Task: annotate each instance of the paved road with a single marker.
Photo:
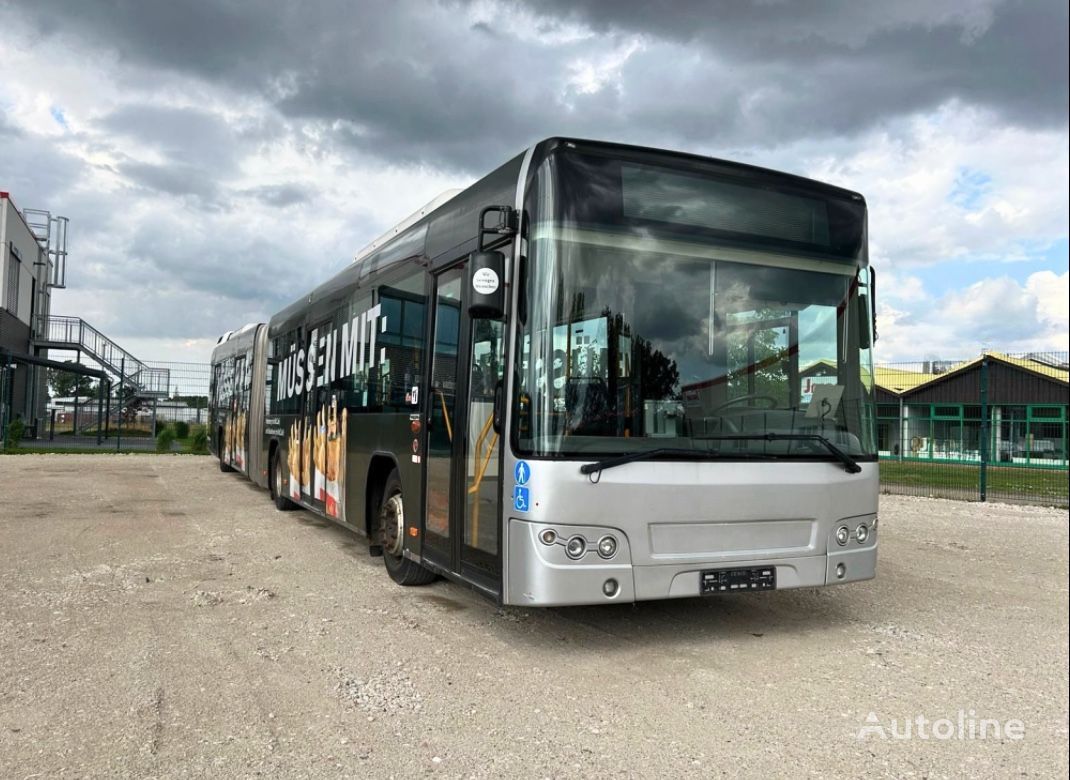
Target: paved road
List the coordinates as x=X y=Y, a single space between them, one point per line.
x=159 y=618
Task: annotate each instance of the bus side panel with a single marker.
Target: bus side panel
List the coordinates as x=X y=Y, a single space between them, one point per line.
x=380 y=437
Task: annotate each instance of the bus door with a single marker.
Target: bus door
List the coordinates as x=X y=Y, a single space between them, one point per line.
x=463 y=474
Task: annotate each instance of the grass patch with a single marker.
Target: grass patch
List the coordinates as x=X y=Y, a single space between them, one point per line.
x=133 y=433
x=104 y=449
x=1043 y=485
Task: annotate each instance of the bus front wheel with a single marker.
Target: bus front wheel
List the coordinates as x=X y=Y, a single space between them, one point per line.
x=391 y=533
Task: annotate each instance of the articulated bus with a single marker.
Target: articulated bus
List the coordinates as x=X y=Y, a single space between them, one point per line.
x=600 y=374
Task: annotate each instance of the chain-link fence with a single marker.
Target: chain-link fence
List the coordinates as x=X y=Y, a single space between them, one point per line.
x=990 y=428
x=121 y=415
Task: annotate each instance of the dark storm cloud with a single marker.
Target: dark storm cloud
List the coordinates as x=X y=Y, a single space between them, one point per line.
x=417 y=82
x=878 y=59
x=213 y=92
x=452 y=118
x=173 y=179
x=42 y=171
x=188 y=135
x=196 y=150
x=177 y=273
x=183 y=260
x=206 y=37
x=195 y=155
x=270 y=265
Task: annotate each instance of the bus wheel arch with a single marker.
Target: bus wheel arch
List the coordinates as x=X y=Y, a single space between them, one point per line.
x=275 y=485
x=388 y=497
x=379 y=470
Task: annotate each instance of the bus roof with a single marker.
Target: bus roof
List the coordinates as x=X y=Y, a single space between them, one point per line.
x=547 y=146
x=235 y=341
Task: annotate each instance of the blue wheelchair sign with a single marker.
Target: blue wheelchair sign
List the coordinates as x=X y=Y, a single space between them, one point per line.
x=521 y=499
x=521 y=472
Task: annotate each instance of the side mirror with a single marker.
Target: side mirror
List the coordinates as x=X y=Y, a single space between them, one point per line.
x=485 y=273
x=873 y=298
x=865 y=337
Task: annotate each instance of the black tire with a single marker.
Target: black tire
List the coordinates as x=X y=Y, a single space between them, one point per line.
x=390 y=533
x=282 y=503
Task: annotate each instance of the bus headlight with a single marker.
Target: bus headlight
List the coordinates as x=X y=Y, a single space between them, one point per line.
x=575 y=547
x=548 y=536
x=861 y=534
x=842 y=535
x=607 y=546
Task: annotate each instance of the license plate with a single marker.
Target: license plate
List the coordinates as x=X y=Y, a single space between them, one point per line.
x=738 y=580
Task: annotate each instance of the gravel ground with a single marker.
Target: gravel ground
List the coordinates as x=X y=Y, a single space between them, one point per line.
x=160 y=619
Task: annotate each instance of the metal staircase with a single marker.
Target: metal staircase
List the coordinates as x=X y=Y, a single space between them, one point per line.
x=137 y=378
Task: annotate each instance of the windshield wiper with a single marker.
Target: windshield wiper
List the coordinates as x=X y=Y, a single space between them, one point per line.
x=632 y=457
x=850 y=465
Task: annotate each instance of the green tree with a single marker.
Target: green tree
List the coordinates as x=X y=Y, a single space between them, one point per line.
x=658 y=373
x=193 y=401
x=759 y=358
x=659 y=376
x=13 y=434
x=66 y=384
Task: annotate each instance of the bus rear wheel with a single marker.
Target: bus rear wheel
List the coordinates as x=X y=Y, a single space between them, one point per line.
x=391 y=535
x=278 y=494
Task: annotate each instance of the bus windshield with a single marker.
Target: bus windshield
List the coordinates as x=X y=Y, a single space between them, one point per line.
x=643 y=334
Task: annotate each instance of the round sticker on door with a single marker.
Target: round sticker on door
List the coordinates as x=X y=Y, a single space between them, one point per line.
x=485 y=281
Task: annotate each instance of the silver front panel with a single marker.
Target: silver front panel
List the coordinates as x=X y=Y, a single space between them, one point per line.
x=675 y=519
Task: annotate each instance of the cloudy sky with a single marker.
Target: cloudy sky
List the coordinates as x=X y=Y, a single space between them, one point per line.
x=217 y=158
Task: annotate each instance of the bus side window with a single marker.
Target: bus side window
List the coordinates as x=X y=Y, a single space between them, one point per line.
x=355 y=386
x=402 y=312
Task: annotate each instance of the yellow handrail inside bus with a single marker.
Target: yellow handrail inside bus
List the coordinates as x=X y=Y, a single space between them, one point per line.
x=446 y=415
x=481 y=470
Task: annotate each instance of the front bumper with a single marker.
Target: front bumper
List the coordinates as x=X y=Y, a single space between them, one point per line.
x=679 y=581
x=541 y=575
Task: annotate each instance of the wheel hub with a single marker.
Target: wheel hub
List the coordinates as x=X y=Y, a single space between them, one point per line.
x=392 y=521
